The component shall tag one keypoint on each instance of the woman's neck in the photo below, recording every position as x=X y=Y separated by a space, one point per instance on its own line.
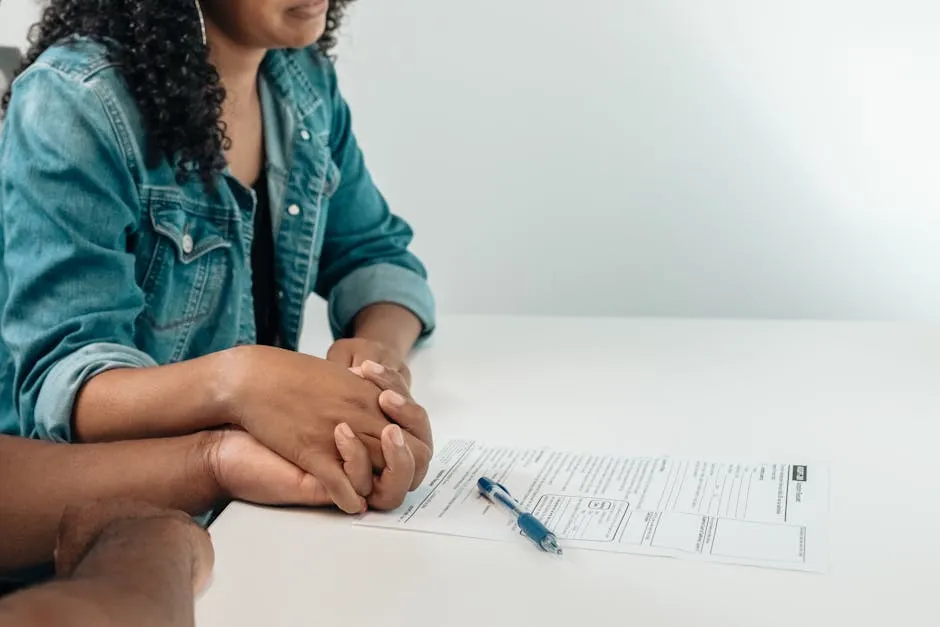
x=237 y=65
x=238 y=68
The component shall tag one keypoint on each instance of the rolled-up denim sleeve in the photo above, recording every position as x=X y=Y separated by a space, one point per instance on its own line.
x=366 y=257
x=69 y=205
x=57 y=395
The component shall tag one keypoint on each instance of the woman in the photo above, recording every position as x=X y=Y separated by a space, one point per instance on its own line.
x=176 y=179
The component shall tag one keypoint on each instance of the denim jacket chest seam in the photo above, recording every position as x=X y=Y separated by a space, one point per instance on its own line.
x=305 y=152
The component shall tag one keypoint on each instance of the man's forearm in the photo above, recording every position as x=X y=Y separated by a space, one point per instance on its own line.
x=389 y=324
x=39 y=479
x=141 y=576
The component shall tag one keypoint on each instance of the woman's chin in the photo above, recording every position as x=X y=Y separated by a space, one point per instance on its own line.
x=302 y=33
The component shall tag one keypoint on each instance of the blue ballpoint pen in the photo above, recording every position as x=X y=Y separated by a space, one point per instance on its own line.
x=530 y=526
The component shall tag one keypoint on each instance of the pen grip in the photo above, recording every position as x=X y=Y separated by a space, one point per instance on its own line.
x=532 y=528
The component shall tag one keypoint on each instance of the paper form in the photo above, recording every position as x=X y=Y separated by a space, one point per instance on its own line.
x=774 y=515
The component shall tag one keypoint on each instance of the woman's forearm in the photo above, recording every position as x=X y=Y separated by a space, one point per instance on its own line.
x=171 y=400
x=39 y=479
x=389 y=324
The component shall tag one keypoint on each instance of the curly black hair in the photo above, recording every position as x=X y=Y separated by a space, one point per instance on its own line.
x=158 y=46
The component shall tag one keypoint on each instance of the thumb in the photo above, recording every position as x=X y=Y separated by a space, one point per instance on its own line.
x=341 y=353
x=252 y=472
x=312 y=492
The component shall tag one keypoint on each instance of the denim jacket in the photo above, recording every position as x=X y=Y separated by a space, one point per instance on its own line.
x=109 y=263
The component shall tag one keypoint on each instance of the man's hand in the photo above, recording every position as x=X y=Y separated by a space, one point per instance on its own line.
x=119 y=563
x=353 y=352
x=107 y=525
x=246 y=470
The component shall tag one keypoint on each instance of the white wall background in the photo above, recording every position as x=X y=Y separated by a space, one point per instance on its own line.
x=16 y=16
x=660 y=157
x=655 y=157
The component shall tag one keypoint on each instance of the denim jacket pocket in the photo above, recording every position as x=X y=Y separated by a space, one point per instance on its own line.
x=184 y=263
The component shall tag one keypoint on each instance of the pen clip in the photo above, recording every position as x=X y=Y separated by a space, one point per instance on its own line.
x=487 y=487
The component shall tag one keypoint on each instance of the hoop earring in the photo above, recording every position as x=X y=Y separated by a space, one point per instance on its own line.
x=202 y=22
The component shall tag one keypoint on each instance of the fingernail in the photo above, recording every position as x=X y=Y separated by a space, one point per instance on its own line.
x=395 y=399
x=356 y=371
x=346 y=431
x=397 y=436
x=373 y=367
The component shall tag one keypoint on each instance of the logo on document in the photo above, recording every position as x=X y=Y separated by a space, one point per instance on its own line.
x=799 y=473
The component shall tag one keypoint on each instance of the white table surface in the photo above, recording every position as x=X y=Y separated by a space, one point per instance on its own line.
x=864 y=397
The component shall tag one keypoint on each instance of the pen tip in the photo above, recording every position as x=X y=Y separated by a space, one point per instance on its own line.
x=551 y=545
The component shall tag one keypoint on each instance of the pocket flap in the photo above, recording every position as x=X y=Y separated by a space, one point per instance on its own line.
x=193 y=234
